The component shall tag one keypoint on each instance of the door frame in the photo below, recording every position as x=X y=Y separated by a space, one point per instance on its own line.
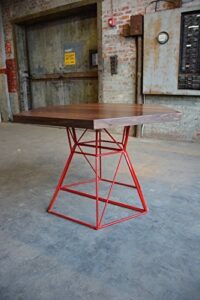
x=20 y=43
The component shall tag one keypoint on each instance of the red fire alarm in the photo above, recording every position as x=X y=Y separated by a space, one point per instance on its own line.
x=112 y=22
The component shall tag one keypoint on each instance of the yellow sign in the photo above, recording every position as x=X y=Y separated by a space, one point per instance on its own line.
x=70 y=58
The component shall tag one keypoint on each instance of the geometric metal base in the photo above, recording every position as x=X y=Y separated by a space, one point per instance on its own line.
x=77 y=146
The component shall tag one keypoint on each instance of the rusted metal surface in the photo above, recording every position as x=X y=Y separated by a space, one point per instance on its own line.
x=163 y=4
x=24 y=92
x=51 y=92
x=52 y=80
x=161 y=62
x=135 y=28
x=126 y=30
x=136 y=25
x=69 y=9
x=70 y=75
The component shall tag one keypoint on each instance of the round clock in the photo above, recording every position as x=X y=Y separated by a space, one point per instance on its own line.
x=163 y=37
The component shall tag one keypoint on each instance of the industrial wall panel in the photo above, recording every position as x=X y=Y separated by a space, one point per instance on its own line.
x=57 y=49
x=161 y=61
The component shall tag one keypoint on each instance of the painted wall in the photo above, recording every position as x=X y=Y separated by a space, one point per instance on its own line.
x=120 y=87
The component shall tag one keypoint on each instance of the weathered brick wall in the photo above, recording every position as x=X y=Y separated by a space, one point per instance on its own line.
x=119 y=87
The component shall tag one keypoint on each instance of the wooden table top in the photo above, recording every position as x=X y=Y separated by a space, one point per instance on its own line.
x=98 y=116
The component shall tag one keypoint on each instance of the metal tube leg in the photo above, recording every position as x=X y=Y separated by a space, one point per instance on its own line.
x=135 y=180
x=97 y=177
x=100 y=157
x=64 y=172
x=132 y=171
x=61 y=180
x=111 y=188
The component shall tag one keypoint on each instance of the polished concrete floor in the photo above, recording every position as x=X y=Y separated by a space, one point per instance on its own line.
x=156 y=256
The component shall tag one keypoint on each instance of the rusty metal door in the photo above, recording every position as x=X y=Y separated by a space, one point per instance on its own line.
x=59 y=65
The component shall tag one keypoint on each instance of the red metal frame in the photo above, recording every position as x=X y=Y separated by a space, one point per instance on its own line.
x=100 y=151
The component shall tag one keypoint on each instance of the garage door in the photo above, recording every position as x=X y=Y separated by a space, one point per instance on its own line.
x=62 y=60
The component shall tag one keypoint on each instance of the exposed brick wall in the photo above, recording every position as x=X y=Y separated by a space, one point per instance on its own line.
x=119 y=87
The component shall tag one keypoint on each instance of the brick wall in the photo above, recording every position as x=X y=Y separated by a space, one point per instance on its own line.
x=119 y=87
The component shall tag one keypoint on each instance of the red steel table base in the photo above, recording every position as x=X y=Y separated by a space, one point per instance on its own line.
x=76 y=147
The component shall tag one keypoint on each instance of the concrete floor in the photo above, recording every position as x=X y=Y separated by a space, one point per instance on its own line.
x=156 y=256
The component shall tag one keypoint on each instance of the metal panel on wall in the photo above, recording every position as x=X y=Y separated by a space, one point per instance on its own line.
x=59 y=62
x=161 y=60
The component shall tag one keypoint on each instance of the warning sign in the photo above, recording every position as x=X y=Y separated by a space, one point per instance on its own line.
x=70 y=58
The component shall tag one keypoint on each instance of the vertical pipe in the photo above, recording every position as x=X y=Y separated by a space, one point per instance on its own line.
x=100 y=51
x=138 y=92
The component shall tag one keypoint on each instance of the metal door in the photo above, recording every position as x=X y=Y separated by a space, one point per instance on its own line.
x=59 y=61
